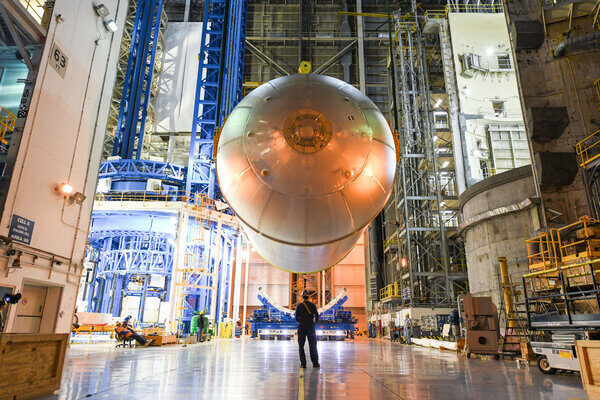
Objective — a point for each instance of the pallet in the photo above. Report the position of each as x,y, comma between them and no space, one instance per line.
161,340
31,364
588,354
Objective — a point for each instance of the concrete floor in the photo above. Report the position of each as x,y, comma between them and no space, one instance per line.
253,369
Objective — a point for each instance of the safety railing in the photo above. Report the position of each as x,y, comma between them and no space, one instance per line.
436,14
36,8
585,244
566,296
390,241
7,124
389,291
588,149
154,197
542,250
474,8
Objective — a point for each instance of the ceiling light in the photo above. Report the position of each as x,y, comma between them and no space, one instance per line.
445,164
489,51
438,103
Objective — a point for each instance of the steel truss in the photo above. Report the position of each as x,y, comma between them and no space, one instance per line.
219,85
204,265
143,169
126,261
135,87
421,232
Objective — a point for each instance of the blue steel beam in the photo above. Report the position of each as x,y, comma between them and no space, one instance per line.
133,111
218,85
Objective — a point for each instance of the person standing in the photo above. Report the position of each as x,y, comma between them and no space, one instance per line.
407,328
201,324
307,317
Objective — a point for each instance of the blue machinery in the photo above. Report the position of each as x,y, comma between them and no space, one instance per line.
272,321
133,247
218,85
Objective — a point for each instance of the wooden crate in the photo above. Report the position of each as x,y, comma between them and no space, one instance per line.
161,340
588,354
31,364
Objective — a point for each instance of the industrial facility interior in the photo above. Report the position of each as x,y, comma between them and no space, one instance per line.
181,179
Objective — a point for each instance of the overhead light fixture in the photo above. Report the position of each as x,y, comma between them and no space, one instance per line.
438,103
101,10
103,13
65,189
435,138
489,51
77,198
111,25
445,164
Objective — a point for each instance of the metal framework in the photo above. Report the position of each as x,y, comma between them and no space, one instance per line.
218,87
204,262
128,255
135,46
421,243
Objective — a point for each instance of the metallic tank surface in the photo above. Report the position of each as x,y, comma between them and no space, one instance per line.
306,162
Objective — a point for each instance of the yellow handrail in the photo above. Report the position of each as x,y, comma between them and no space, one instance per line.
7,123
584,147
548,271
392,290
31,5
475,8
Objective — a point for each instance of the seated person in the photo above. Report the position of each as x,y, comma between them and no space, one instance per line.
126,333
127,323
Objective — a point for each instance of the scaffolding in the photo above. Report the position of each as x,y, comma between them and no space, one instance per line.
420,244
130,32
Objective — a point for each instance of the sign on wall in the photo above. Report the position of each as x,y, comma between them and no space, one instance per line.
21,229
58,60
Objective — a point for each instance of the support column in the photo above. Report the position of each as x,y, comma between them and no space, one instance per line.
238,280
247,254
216,276
362,80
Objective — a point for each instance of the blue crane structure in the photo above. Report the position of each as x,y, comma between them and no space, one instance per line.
133,249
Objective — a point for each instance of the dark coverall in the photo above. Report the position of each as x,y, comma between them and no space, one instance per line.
307,316
200,330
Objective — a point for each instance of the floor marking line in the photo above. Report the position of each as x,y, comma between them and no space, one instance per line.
301,385
382,384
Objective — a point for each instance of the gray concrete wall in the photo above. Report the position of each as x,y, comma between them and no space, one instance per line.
549,81
498,214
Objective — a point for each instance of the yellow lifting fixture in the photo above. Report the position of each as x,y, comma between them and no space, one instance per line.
305,67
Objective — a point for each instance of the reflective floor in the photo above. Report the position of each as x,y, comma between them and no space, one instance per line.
253,369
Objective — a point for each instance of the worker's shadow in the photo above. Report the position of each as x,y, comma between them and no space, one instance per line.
312,384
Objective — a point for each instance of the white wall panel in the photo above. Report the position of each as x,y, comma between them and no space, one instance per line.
177,81
62,141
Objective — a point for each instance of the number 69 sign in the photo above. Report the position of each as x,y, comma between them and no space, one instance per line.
58,60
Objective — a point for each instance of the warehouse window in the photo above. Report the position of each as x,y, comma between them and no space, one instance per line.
504,62
499,108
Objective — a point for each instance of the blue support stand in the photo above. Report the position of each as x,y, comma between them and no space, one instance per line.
129,136
219,85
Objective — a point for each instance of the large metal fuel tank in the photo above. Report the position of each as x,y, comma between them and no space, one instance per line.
306,162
